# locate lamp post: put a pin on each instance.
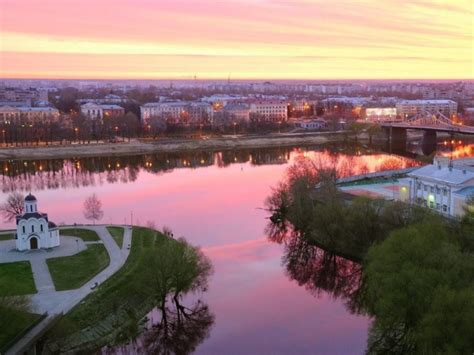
(76, 131)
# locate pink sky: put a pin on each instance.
(244, 38)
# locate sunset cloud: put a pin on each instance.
(248, 38)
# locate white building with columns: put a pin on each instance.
(33, 229)
(444, 188)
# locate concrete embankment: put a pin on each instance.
(387, 174)
(166, 145)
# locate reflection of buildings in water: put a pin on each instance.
(66, 173)
(456, 149)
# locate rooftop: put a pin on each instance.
(444, 174)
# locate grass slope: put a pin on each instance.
(120, 292)
(117, 234)
(12, 323)
(71, 272)
(85, 234)
(16, 279)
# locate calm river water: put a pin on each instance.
(215, 201)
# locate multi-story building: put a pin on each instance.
(237, 111)
(178, 111)
(98, 111)
(442, 187)
(270, 110)
(379, 114)
(30, 114)
(30, 95)
(407, 108)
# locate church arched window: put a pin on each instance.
(41, 227)
(24, 230)
(32, 229)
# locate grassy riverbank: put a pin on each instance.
(98, 319)
(166, 145)
(13, 323)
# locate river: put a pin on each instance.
(215, 200)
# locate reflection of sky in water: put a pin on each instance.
(257, 308)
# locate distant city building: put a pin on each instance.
(178, 111)
(379, 114)
(270, 110)
(30, 114)
(407, 108)
(100, 111)
(312, 124)
(33, 229)
(29, 95)
(237, 111)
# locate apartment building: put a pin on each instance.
(270, 110)
(407, 108)
(99, 111)
(178, 111)
(10, 114)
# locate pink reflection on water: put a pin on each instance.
(257, 308)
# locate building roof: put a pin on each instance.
(443, 174)
(36, 215)
(111, 107)
(30, 197)
(466, 191)
(426, 102)
(52, 225)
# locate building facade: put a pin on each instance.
(178, 111)
(442, 187)
(407, 108)
(101, 111)
(33, 229)
(29, 114)
(380, 114)
(270, 110)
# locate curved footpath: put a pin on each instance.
(55, 303)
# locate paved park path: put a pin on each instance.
(53, 302)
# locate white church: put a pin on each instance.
(33, 230)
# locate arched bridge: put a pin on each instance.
(428, 122)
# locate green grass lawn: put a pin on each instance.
(16, 279)
(85, 234)
(117, 234)
(71, 272)
(123, 290)
(12, 323)
(9, 236)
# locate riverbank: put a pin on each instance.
(166, 145)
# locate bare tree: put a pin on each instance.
(93, 208)
(13, 207)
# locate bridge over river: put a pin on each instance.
(427, 122)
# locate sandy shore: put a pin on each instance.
(166, 145)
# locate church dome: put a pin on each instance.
(30, 197)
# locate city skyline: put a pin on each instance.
(246, 39)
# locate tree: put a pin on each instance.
(356, 129)
(93, 208)
(372, 130)
(13, 206)
(419, 288)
